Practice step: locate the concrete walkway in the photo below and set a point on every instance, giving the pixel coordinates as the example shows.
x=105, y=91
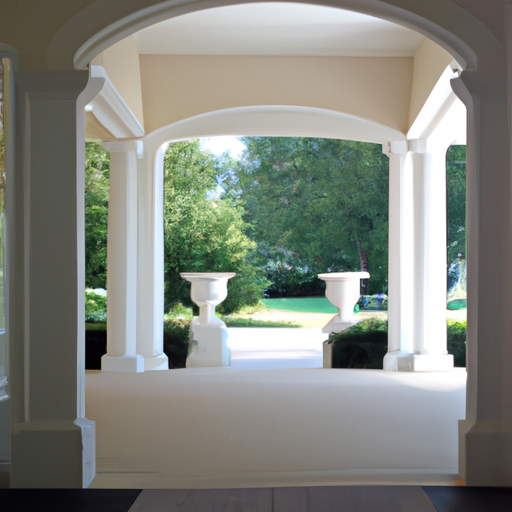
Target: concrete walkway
x=275, y=348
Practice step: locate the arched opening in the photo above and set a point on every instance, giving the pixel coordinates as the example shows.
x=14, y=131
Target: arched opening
x=204, y=114
x=448, y=24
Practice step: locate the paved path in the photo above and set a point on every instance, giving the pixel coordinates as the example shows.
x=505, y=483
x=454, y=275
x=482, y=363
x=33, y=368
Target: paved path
x=268, y=348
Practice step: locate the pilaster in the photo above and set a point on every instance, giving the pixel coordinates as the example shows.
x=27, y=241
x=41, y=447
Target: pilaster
x=485, y=436
x=53, y=444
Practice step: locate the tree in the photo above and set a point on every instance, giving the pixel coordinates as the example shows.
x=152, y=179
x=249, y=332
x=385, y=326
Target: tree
x=97, y=174
x=324, y=200
x=456, y=201
x=204, y=233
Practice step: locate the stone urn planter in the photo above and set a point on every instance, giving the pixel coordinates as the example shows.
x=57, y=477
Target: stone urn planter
x=343, y=291
x=208, y=333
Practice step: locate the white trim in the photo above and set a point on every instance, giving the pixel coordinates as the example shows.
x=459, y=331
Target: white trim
x=441, y=28
x=277, y=121
x=137, y=146
x=438, y=103
x=111, y=110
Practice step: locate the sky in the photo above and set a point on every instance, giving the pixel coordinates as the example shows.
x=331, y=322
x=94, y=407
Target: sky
x=219, y=145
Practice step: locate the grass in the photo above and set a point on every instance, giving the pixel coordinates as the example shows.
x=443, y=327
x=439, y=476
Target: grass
x=251, y=322
x=301, y=305
x=100, y=326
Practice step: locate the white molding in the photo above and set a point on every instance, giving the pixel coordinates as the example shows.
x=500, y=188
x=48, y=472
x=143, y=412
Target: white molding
x=418, y=146
x=442, y=25
x=276, y=121
x=438, y=103
x=111, y=110
x=398, y=147
x=136, y=146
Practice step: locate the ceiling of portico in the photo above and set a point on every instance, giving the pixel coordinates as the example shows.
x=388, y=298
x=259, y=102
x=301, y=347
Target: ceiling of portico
x=278, y=29
x=276, y=53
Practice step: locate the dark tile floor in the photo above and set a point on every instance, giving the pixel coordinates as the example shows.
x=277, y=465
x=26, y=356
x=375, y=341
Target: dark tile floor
x=296, y=499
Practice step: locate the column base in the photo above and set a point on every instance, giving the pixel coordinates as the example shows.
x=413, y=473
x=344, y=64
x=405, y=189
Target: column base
x=327, y=354
x=53, y=454
x=160, y=362
x=209, y=345
x=485, y=454
x=403, y=362
x=134, y=364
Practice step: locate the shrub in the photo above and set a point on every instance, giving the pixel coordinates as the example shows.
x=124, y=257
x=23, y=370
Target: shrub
x=365, y=344
x=457, y=342
x=95, y=307
x=246, y=289
x=362, y=346
x=176, y=335
x=95, y=345
x=292, y=280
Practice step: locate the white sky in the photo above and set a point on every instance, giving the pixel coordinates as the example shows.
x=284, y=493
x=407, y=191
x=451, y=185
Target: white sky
x=219, y=145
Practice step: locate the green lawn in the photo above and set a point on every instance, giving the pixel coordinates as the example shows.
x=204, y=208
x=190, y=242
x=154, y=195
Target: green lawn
x=301, y=305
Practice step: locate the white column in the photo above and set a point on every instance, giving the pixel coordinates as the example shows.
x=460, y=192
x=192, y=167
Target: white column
x=53, y=444
x=485, y=436
x=430, y=343
x=417, y=259
x=150, y=272
x=401, y=247
x=121, y=353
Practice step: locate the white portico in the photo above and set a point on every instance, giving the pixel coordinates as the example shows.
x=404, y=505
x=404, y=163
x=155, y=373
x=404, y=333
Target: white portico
x=411, y=111
x=344, y=87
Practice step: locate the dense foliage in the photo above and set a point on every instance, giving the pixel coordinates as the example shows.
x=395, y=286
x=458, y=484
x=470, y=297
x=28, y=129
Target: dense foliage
x=322, y=201
x=204, y=233
x=95, y=307
x=291, y=208
x=457, y=342
x=456, y=201
x=97, y=174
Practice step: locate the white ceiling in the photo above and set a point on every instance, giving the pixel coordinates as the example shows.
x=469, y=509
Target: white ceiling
x=278, y=29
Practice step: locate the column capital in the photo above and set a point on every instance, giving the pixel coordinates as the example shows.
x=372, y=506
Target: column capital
x=418, y=146
x=480, y=84
x=126, y=146
x=395, y=147
x=58, y=86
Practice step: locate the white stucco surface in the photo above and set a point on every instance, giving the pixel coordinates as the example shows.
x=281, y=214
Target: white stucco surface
x=223, y=427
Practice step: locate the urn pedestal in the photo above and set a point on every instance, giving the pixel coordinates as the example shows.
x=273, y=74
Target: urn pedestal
x=208, y=334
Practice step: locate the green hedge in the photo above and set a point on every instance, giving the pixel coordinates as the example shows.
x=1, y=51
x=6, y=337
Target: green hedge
x=365, y=344
x=457, y=342
x=176, y=336
x=362, y=346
